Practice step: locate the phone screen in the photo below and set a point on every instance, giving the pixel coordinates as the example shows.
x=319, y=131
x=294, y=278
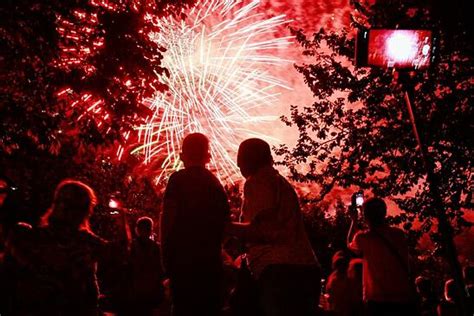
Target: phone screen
x=399, y=48
x=395, y=48
x=359, y=199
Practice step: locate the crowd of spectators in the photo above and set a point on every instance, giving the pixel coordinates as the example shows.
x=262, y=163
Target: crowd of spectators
x=204, y=262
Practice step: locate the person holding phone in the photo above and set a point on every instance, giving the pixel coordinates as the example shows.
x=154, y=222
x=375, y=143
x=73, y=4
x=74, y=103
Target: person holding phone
x=387, y=288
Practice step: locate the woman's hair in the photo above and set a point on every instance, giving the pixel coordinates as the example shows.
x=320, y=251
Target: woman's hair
x=73, y=203
x=254, y=153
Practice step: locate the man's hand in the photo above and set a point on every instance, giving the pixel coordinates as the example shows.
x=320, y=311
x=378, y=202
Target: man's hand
x=353, y=213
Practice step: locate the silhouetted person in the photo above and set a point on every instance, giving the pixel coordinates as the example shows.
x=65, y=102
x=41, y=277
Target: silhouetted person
x=279, y=254
x=5, y=284
x=59, y=258
x=339, y=286
x=449, y=305
x=427, y=298
x=9, y=209
x=355, y=276
x=468, y=273
x=195, y=211
x=384, y=250
x=11, y=212
x=146, y=274
x=4, y=190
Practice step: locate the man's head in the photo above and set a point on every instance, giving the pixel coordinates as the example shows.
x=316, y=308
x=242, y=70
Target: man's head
x=195, y=150
x=253, y=154
x=144, y=227
x=374, y=210
x=423, y=286
x=450, y=290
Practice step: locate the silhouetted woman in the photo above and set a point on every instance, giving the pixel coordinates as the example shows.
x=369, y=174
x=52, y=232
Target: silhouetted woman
x=279, y=254
x=59, y=258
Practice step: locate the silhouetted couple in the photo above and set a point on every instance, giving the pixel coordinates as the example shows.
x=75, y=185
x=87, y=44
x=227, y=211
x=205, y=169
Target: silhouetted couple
x=196, y=216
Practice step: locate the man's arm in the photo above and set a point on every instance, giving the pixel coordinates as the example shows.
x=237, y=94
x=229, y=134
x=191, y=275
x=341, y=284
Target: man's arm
x=244, y=231
x=259, y=230
x=257, y=208
x=354, y=223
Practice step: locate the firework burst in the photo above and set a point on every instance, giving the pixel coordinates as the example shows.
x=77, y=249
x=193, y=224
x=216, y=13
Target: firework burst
x=219, y=61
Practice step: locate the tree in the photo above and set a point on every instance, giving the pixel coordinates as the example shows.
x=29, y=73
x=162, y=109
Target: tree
x=358, y=132
x=326, y=230
x=74, y=78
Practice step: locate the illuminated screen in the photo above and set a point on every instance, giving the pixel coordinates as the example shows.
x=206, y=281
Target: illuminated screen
x=399, y=48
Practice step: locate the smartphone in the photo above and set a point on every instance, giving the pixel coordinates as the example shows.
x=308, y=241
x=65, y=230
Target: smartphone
x=395, y=48
x=359, y=198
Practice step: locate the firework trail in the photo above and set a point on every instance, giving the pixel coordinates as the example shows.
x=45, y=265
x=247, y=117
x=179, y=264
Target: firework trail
x=219, y=60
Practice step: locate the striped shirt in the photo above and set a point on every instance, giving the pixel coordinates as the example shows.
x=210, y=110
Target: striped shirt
x=271, y=205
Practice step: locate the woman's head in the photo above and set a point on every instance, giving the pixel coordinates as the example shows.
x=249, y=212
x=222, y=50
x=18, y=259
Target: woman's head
x=72, y=206
x=253, y=154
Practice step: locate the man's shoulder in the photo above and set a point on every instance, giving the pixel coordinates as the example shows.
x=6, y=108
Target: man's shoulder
x=209, y=177
x=360, y=239
x=193, y=172
x=266, y=180
x=178, y=178
x=392, y=234
x=385, y=230
x=175, y=176
x=361, y=234
x=395, y=231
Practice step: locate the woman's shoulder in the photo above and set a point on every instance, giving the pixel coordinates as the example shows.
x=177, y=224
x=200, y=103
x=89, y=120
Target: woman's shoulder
x=20, y=233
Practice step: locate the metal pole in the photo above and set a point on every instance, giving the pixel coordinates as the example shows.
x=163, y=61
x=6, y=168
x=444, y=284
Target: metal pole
x=444, y=227
x=415, y=129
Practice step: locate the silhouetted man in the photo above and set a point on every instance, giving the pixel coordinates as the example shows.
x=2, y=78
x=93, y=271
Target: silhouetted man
x=384, y=250
x=195, y=211
x=146, y=273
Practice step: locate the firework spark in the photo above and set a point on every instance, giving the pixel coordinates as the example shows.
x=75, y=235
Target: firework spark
x=110, y=65
x=219, y=60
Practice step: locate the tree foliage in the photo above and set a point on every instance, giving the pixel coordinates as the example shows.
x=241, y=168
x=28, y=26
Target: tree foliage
x=57, y=52
x=358, y=132
x=74, y=75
